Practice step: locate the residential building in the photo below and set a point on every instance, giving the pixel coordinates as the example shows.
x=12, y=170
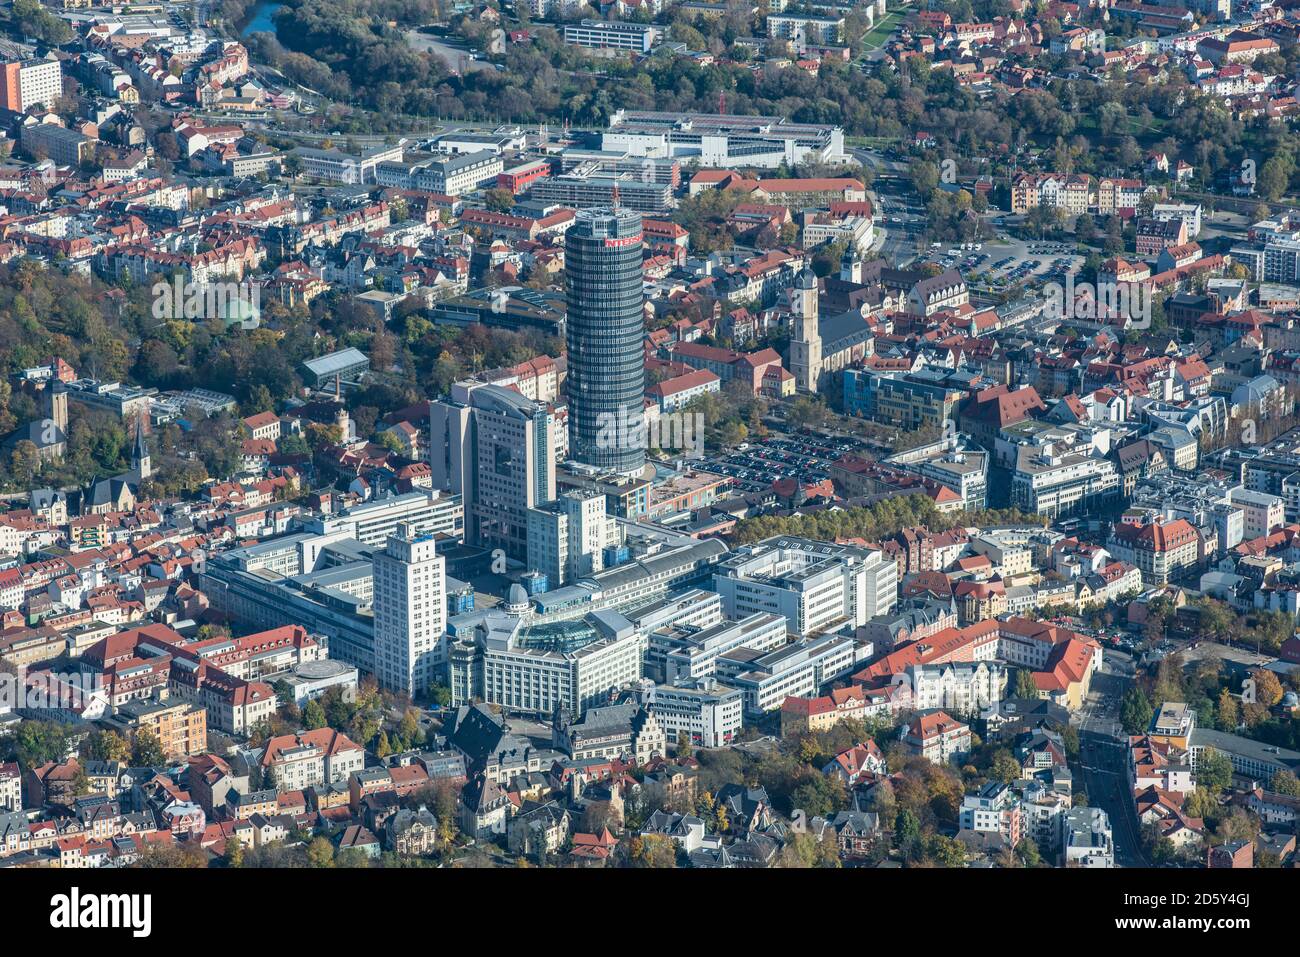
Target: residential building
x=937, y=736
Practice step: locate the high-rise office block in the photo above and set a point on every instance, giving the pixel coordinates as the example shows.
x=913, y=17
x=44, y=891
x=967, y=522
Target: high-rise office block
x=605, y=331
x=497, y=450
x=567, y=537
x=410, y=611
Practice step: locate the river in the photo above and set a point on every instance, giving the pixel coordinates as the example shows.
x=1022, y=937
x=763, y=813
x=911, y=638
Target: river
x=262, y=20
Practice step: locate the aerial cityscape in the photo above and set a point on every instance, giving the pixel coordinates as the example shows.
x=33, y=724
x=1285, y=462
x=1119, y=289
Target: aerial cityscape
x=649, y=434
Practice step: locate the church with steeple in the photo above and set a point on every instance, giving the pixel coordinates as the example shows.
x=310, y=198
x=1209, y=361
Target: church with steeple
x=821, y=346
x=121, y=492
x=805, y=337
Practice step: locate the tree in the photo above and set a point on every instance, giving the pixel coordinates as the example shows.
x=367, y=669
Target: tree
x=1028, y=853
x=499, y=200
x=1025, y=687
x=352, y=857
x=1135, y=711
x=171, y=856
x=1229, y=712
x=147, y=751
x=1005, y=767
x=39, y=742
x=652, y=850
x=906, y=827
x=684, y=749
x=1268, y=690
x=234, y=855
x=945, y=851
x=409, y=727
x=1202, y=803
x=320, y=853
x=1214, y=770
x=313, y=716
x=108, y=746
x=1285, y=782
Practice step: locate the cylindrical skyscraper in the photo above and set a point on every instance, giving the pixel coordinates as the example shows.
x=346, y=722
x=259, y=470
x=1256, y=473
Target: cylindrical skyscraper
x=602, y=262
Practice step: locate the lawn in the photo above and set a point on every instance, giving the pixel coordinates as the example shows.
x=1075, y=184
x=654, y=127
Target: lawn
x=875, y=38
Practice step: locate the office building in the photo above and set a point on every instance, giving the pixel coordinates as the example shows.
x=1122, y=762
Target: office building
x=816, y=586
x=495, y=449
x=410, y=612
x=766, y=679
x=585, y=187
x=605, y=331
x=336, y=166
x=707, y=713
x=450, y=175
x=540, y=668
x=567, y=537
x=681, y=653
x=612, y=35
x=372, y=522
x=723, y=140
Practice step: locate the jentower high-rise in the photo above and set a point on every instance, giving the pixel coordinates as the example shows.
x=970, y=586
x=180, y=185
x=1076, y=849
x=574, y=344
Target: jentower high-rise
x=606, y=380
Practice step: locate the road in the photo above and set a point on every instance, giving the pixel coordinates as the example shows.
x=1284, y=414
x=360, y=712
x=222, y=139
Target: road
x=901, y=217
x=1103, y=755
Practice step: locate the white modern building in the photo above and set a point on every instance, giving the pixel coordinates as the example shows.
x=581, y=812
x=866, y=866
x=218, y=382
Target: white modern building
x=683, y=653
x=410, y=612
x=798, y=669
x=38, y=82
x=816, y=585
x=567, y=537
x=539, y=668
x=453, y=174
x=1086, y=838
x=612, y=35
x=709, y=714
x=721, y=140
x=372, y=522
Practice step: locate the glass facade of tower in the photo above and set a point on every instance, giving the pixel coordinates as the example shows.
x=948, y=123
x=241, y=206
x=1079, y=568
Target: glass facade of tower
x=605, y=327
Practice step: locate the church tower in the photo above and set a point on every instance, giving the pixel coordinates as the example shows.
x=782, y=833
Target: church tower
x=140, y=462
x=805, y=339
x=850, y=265
x=59, y=406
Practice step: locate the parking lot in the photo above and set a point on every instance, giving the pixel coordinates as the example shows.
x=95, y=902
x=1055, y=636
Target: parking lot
x=753, y=467
x=1032, y=262
x=1002, y=263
